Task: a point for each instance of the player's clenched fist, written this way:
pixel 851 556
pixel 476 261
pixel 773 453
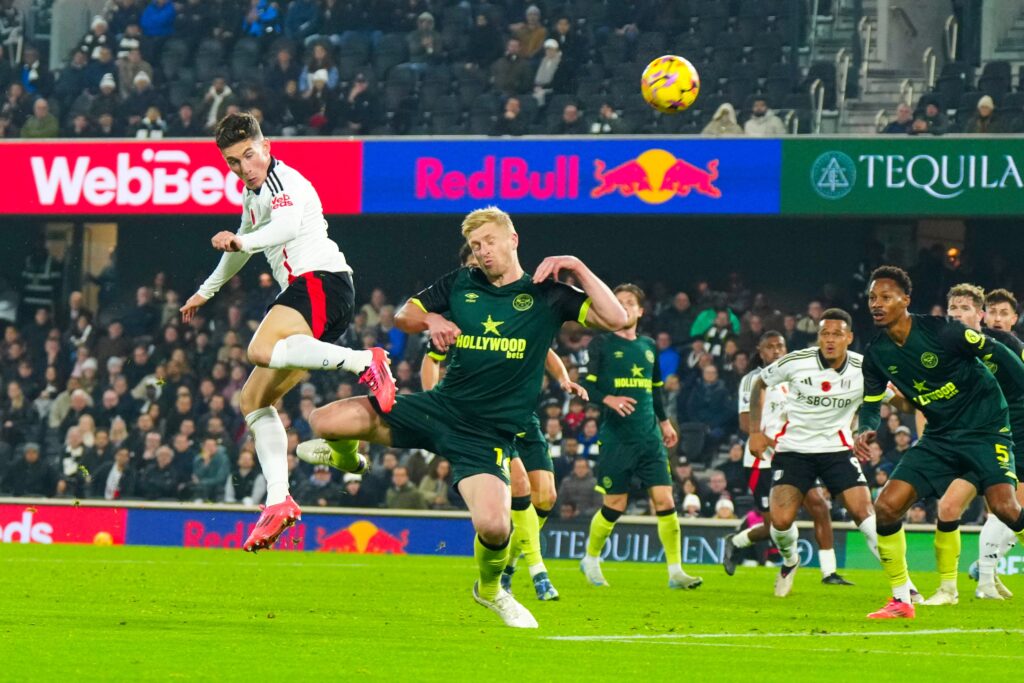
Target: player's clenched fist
pixel 759 444
pixel 443 332
pixel 226 241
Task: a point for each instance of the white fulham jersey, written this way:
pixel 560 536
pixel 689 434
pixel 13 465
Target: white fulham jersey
pixel 773 414
pixel 284 220
pixel 821 402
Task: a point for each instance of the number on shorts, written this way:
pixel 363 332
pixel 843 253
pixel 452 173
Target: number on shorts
pixel 1002 453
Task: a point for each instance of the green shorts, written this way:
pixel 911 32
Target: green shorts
pixel 424 420
pixel 618 463
pixel 982 458
pixel 532 448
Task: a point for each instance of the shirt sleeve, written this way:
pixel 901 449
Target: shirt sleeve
pixel 230 263
pixel 875 388
pixel 967 342
pixel 776 373
pixel 435 298
pixel 568 303
pixel 595 358
pixel 743 398
pixel 285 220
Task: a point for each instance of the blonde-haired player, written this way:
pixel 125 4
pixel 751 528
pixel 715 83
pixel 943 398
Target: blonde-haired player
pixel 501 322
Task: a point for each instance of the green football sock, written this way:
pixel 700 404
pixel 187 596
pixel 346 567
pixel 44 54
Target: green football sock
pixel 490 561
pixel 600 529
pixel 531 537
pixel 947 551
pixel 668 532
pixel 542 517
pixel 892 549
pixel 520 522
pixel 345 454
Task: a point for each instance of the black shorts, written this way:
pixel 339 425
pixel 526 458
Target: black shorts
pixel 837 471
pixel 760 484
pixel 326 300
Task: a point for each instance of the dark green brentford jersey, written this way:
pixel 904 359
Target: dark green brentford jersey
pixel 942 368
pixel 496 366
pixel 1013 392
pixel 625 367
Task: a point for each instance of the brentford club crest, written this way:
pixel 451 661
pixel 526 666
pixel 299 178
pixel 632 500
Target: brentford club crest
pixel 826 386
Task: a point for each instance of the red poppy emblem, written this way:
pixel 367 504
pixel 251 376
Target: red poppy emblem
pixel 826 386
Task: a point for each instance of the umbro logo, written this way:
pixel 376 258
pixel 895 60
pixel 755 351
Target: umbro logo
pixel 472 297
pixel 619 354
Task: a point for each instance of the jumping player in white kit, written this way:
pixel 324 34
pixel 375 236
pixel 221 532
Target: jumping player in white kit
pixel 282 217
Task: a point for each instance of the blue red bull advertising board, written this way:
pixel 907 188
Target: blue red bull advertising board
pixel 650 175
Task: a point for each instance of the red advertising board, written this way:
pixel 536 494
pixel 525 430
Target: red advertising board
pixel 121 177
pixel 62 524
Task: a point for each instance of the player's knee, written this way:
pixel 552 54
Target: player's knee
pixel 259 354
pixel 949 510
pixel 885 513
pixel 318 421
pixel 544 499
pixel 783 519
pixel 1008 511
pixel 494 532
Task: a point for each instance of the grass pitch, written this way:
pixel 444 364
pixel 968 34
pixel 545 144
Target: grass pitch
pixel 78 613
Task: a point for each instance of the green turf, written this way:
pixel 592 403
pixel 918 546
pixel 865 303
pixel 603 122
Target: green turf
pixel 76 613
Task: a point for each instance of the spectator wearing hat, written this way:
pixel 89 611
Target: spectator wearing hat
pixel 577 489
pixel 246 485
pixel 353 495
pixel 984 120
pixel 402 494
pixel 130 67
pixel 42 124
pixel 763 123
pixel 902 437
pixel 107 100
pixel 130 40
pixel 30 476
pixel 724 509
pixel 319 101
pixel 426 46
pixel 723 122
pixel 554 73
pixel 691 506
pixel 531 33
pixel 902 124
pixel 136 105
pixel 937 122
pixel 98 36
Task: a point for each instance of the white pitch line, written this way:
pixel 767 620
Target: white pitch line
pixel 178 561
pixel 813 650
pixel 700 636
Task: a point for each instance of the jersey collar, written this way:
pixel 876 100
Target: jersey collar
pixel 823 362
pixel 270 169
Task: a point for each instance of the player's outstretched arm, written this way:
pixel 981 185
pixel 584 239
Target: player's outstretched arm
pixel 230 263
pixel 605 312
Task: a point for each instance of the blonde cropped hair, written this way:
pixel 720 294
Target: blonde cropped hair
pixel 973 292
pixel 488 214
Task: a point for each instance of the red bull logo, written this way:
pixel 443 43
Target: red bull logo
pixel 361 537
pixel 655 177
pixel 500 178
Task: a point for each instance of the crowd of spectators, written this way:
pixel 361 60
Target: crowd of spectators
pixel 128 402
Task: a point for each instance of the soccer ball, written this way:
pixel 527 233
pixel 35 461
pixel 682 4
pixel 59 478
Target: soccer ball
pixel 670 84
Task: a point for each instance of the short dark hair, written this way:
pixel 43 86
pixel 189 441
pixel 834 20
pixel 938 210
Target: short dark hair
pixel 1001 296
pixel 634 290
pixel 894 273
pixel 464 253
pixel 235 128
pixel 770 334
pixel 838 314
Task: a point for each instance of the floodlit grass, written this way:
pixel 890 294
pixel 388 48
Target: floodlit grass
pixel 72 613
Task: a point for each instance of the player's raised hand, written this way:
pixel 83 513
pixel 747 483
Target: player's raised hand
pixel 571 387
pixel 443 332
pixel 759 444
pixel 226 241
pixel 188 311
pixel 623 405
pixel 553 265
pixel 861 444
pixel 668 434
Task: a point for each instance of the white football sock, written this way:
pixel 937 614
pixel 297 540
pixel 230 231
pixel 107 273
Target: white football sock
pixel 675 569
pixel 272 450
pixel 742 539
pixel 302 352
pixel 902 593
pixel 786 542
pixel 867 527
pixel 535 569
pixel 827 560
pixel 994 542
